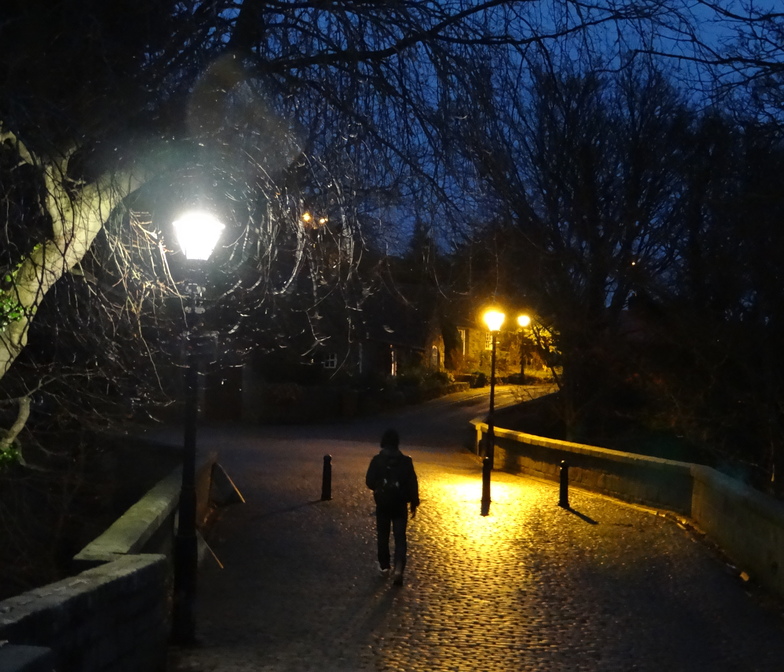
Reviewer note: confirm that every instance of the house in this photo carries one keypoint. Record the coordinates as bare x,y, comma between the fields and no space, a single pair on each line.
518,349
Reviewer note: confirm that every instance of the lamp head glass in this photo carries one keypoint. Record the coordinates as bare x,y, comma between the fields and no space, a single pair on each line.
198,234
493,318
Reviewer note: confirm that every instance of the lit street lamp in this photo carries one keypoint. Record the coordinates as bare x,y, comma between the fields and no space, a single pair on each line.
197,234
493,319
312,222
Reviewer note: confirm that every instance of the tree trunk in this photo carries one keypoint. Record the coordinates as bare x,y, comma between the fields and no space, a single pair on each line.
76,221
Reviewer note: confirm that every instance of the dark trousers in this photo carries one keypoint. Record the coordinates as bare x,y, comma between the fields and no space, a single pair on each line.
398,526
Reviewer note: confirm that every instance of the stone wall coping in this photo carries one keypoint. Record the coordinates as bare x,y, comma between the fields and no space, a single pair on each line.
584,449
131,531
763,505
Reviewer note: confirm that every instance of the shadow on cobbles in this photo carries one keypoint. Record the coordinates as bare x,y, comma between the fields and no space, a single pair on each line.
581,516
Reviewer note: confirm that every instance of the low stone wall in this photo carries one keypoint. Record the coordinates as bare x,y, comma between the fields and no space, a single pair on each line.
634,478
114,615
746,524
110,617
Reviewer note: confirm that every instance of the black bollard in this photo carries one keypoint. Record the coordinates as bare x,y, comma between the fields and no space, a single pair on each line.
326,479
487,467
563,501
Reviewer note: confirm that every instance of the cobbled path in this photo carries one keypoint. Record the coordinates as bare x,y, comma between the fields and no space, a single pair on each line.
604,587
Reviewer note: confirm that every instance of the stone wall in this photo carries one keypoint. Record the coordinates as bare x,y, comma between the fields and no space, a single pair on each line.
746,524
114,616
110,617
634,478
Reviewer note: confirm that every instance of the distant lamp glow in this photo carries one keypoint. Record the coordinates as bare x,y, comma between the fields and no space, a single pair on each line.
523,321
313,222
198,234
494,319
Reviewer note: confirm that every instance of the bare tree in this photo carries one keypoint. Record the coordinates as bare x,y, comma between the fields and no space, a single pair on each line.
581,169
282,108
719,378
730,52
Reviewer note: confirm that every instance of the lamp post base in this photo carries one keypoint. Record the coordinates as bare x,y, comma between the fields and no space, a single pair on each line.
183,617
186,551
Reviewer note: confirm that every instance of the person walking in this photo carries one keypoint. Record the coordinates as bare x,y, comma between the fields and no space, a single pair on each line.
393,480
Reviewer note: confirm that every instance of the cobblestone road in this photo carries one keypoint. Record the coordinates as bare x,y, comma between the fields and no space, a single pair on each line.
530,587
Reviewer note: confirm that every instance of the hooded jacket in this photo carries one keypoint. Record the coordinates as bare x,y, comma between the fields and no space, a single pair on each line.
401,466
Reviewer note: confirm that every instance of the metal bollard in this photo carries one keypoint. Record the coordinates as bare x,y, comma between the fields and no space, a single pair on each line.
326,479
487,467
563,500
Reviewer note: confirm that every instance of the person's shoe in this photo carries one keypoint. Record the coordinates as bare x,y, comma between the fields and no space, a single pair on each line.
383,572
397,577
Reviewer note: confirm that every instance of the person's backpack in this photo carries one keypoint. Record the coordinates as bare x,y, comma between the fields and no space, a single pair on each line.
390,493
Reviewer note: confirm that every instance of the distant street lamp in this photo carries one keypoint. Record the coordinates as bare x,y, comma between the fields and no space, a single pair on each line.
313,222
493,319
197,234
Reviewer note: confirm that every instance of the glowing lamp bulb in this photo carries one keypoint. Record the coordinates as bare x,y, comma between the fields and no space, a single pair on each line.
494,319
198,234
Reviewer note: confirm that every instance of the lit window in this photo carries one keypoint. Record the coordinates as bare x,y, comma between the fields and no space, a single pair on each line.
393,359
462,334
330,361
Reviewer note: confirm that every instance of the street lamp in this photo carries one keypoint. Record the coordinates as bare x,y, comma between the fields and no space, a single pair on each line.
197,234
493,319
313,222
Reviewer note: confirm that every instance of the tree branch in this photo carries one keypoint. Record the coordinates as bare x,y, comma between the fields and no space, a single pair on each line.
21,419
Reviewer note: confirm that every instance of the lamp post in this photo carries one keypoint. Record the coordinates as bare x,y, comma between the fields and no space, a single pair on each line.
493,319
523,321
197,234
